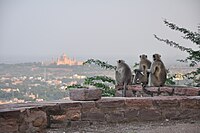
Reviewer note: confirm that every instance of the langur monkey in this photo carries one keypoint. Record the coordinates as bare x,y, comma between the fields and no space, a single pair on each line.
158,71
123,75
144,63
142,74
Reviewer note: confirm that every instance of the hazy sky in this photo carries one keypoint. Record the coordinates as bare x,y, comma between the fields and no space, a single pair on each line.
33,30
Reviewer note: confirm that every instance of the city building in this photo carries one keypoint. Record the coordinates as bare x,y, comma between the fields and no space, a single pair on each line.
64,60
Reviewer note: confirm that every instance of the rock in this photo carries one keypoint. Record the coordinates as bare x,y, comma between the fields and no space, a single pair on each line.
38,122
129,93
84,94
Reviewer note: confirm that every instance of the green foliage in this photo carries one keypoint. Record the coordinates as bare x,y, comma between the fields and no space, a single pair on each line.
170,81
100,63
99,78
192,36
102,82
76,86
194,55
193,75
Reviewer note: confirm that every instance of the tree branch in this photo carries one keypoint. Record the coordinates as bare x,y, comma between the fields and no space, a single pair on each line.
189,35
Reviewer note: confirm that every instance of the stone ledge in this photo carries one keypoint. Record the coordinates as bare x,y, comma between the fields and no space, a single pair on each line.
84,94
28,117
165,90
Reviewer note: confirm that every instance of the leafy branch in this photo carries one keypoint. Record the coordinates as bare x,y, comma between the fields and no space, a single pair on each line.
169,80
192,36
174,44
100,63
76,86
192,74
99,78
99,82
194,55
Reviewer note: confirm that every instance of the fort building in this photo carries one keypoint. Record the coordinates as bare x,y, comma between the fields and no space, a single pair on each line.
64,60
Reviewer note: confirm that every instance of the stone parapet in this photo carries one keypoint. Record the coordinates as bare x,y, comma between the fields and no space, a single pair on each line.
37,117
163,91
85,94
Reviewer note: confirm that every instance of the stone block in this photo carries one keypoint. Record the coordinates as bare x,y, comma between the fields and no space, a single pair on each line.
135,87
88,106
70,105
192,92
115,117
58,118
131,115
37,117
129,93
110,103
93,116
166,103
79,123
198,103
180,91
84,94
189,114
73,115
8,125
149,115
139,103
130,87
54,110
165,91
152,89
189,103
171,113
33,120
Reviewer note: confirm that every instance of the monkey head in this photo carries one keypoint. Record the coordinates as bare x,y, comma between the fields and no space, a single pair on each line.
156,57
143,56
120,61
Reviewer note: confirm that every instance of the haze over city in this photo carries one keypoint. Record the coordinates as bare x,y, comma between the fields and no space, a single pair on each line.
33,30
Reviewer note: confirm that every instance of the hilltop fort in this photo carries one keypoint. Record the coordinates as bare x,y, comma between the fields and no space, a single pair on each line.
64,60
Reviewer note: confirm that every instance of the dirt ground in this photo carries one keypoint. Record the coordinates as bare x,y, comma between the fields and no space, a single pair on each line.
167,126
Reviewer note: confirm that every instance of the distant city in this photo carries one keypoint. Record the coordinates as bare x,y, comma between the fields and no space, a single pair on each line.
26,82
39,81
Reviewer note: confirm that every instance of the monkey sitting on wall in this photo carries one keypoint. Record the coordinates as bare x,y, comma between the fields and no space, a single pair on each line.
144,63
141,78
123,75
158,71
142,74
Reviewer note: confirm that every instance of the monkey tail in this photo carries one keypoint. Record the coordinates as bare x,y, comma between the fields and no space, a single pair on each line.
124,90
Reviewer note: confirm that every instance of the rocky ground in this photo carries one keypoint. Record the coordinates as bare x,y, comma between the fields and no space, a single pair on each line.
167,126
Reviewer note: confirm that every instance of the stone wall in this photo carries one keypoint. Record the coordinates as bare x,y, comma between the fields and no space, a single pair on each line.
36,117
159,91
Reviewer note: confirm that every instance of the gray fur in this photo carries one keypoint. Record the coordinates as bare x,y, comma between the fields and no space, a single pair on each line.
123,75
158,72
142,74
